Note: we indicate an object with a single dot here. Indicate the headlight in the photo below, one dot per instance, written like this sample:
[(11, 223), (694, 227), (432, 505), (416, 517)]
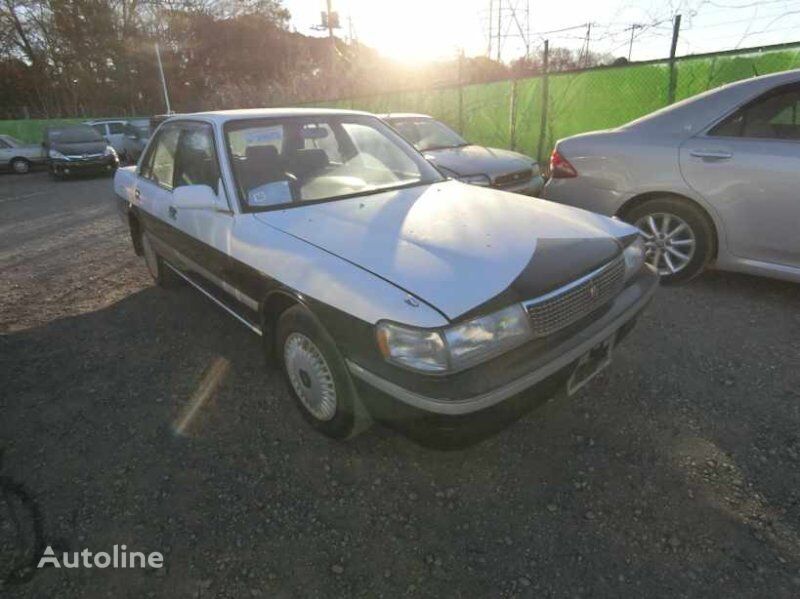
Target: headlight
[(456, 347), (475, 180), (56, 155), (415, 348), (487, 336), (634, 257), (110, 152)]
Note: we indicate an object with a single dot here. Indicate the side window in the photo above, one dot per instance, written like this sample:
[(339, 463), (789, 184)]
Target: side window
[(3, 145), (159, 166), (100, 128), (197, 161), (115, 128), (773, 116)]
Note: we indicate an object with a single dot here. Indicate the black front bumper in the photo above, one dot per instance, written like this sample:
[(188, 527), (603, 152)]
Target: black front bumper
[(485, 398), (74, 167)]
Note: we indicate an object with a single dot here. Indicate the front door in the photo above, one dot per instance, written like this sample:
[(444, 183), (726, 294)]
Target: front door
[(747, 168)]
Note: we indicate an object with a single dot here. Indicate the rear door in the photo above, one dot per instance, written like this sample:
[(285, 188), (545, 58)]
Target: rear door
[(746, 167)]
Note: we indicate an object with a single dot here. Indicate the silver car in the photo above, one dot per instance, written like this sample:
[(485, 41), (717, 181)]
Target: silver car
[(18, 155), (470, 163), (713, 180)]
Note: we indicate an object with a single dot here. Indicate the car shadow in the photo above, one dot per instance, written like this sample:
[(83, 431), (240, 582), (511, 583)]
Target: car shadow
[(154, 422)]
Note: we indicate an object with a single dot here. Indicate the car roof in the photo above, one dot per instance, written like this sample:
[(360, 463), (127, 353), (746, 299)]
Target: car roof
[(404, 115), (225, 116)]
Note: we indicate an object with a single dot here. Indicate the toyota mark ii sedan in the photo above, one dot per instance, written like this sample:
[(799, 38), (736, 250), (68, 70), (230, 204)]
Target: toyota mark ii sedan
[(383, 290)]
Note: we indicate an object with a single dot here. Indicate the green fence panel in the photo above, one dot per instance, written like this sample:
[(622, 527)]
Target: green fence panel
[(486, 113), (696, 75), (603, 99), (528, 115), (32, 130)]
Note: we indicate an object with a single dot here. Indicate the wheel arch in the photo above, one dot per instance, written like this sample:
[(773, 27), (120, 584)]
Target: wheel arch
[(641, 198), (274, 304)]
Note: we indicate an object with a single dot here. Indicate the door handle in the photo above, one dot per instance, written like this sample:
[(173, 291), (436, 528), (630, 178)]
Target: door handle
[(711, 154), (173, 212)]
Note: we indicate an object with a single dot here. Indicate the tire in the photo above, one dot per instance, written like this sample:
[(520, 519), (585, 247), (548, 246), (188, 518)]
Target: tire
[(688, 245), (20, 166), (161, 273), (314, 368)]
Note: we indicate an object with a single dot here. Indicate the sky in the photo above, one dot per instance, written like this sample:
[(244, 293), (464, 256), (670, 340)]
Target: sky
[(416, 31)]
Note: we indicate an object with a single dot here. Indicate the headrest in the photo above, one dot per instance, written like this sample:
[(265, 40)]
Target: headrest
[(262, 155), (311, 159)]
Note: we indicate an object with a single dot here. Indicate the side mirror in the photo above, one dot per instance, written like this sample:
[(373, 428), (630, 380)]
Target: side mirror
[(195, 197)]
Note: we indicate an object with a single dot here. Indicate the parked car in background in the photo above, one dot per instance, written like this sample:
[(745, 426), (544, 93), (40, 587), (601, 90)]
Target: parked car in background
[(467, 162), (113, 131), (137, 134), (713, 180), (19, 156), (77, 149), (381, 287)]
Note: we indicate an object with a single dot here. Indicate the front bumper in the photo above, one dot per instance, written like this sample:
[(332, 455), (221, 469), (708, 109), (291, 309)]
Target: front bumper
[(94, 165), (548, 369), (531, 187)]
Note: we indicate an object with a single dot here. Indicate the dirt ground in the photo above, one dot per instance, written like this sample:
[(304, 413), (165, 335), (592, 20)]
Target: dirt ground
[(676, 473)]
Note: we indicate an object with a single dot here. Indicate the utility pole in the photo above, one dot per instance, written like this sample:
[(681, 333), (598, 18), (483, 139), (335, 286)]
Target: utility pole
[(330, 21), (545, 99), (491, 31), (499, 27), (633, 28), (676, 28), (163, 80), (586, 44)]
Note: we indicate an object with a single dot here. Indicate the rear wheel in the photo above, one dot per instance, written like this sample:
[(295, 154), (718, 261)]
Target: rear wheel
[(317, 375), (20, 166), (678, 236), (161, 273)]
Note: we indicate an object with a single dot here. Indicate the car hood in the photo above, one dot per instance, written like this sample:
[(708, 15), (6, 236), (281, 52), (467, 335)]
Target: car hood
[(459, 248), (85, 147), (479, 160)]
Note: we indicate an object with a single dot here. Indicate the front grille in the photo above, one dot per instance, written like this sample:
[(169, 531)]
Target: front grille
[(566, 305), (513, 178)]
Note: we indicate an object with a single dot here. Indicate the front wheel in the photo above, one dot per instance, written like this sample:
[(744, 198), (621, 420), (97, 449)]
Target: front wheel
[(678, 237), (317, 375)]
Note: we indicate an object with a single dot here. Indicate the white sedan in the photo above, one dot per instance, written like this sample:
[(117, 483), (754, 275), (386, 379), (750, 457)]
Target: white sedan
[(18, 155)]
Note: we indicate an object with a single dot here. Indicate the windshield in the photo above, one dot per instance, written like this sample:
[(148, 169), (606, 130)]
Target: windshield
[(428, 134), (280, 162), (77, 134)]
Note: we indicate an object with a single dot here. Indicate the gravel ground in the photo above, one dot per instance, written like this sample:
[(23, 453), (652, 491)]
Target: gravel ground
[(675, 473)]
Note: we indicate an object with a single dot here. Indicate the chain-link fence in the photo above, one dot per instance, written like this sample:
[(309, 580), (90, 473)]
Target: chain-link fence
[(508, 114)]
